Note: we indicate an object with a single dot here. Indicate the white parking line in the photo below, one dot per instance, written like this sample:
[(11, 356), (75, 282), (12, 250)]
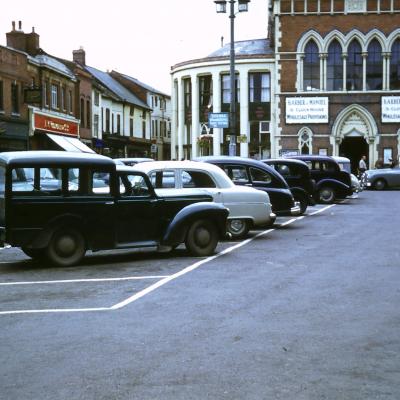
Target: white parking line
[(128, 278), (164, 280)]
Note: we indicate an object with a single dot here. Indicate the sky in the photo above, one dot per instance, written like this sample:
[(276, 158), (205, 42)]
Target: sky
[(140, 38)]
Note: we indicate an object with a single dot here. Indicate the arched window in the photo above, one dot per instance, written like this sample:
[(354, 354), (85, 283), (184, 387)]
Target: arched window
[(395, 66), (305, 141), (334, 76), (374, 66), (311, 71), (354, 79)]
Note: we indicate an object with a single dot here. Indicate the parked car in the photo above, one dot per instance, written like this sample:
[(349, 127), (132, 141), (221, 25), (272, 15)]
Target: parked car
[(383, 178), (60, 223), (345, 165), (256, 174), (248, 208), (131, 161), (298, 177), (331, 182)]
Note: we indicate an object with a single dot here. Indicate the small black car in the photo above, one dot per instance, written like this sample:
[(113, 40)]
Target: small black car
[(256, 174), (298, 177), (93, 204), (331, 182)]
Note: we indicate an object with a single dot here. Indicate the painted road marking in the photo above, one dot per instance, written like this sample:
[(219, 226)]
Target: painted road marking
[(128, 278), (166, 279)]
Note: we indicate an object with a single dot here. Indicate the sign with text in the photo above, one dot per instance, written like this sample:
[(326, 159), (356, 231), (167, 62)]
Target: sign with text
[(55, 125), (218, 120), (390, 109), (307, 110)]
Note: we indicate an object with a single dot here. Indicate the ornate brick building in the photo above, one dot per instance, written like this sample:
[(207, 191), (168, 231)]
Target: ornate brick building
[(338, 77)]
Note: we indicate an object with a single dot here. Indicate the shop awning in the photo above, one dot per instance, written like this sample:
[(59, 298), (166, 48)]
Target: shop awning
[(70, 144)]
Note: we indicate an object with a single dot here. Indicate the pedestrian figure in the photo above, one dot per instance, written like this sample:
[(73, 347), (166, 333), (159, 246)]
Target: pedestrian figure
[(362, 166), (379, 163)]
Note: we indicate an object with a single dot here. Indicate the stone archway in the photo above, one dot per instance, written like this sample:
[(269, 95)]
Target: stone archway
[(355, 122)]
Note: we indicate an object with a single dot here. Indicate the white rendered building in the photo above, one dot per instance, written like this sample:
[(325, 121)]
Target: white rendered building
[(202, 86)]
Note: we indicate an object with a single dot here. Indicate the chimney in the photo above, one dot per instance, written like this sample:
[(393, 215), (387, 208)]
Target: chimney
[(79, 56), (16, 39), (32, 42)]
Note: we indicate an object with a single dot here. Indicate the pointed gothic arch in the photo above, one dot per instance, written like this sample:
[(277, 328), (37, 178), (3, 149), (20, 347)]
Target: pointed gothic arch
[(355, 121)]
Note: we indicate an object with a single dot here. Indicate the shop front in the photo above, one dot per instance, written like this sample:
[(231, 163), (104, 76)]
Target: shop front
[(52, 132)]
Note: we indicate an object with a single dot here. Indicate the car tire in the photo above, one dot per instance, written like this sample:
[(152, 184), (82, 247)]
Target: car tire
[(238, 228), (303, 202), (202, 238), (66, 247), (33, 253), (380, 184), (326, 195)]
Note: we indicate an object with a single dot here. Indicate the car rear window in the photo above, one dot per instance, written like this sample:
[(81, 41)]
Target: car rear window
[(197, 179)]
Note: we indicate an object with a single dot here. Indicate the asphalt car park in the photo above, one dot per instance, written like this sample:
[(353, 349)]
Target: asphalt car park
[(105, 280)]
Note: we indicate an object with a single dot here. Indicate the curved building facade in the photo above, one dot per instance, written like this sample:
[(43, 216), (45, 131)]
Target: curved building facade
[(202, 86)]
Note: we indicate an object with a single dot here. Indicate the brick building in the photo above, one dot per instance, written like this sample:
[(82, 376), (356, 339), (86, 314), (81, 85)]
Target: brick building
[(340, 60), (39, 106)]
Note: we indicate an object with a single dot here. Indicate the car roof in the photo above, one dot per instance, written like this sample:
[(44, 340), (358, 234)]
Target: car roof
[(341, 159), (241, 161), (312, 157), (285, 160), (134, 159), (37, 157), (223, 179)]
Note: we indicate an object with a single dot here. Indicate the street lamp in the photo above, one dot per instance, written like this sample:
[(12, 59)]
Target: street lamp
[(221, 8)]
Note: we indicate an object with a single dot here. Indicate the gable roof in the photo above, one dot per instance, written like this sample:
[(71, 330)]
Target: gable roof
[(114, 86), (143, 85)]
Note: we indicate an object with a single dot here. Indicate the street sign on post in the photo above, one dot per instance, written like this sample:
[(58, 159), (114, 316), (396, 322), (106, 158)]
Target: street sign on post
[(153, 148), (218, 120)]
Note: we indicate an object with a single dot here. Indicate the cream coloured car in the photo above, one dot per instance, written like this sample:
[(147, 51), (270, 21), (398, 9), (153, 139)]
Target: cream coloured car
[(248, 208)]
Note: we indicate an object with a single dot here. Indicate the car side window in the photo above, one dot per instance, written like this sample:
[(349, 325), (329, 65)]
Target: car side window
[(328, 167), (259, 175), (23, 179), (37, 181), (237, 173), (284, 170), (100, 183), (131, 185), (163, 179), (197, 179)]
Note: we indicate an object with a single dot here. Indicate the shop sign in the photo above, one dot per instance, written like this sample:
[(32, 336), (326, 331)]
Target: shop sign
[(390, 109), (307, 110), (218, 120), (56, 125)]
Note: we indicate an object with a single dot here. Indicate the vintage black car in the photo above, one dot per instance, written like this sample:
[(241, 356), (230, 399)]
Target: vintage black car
[(98, 206), (298, 177), (256, 174), (331, 182)]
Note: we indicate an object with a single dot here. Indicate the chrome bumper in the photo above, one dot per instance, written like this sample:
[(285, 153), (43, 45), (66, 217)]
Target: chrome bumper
[(296, 209)]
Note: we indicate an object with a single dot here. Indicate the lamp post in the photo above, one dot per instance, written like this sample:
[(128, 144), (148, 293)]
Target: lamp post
[(221, 8)]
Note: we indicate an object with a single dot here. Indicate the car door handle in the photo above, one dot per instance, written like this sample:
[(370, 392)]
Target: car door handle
[(109, 203)]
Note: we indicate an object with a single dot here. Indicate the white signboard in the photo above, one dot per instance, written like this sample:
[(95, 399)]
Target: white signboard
[(390, 109), (354, 6), (307, 110)]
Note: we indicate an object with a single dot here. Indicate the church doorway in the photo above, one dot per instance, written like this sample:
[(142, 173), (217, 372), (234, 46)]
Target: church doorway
[(354, 148)]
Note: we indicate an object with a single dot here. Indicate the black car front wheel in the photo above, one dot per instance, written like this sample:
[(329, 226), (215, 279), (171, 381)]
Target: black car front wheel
[(66, 247), (202, 238), (326, 195)]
